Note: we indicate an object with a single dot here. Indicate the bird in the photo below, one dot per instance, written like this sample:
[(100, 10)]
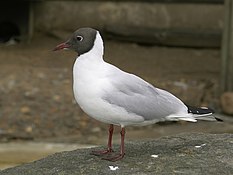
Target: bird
[(118, 98)]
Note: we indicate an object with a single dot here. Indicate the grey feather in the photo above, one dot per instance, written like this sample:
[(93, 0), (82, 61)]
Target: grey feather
[(139, 97)]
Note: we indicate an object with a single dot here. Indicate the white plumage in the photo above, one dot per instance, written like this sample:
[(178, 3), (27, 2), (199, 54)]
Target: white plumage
[(113, 96), (110, 95)]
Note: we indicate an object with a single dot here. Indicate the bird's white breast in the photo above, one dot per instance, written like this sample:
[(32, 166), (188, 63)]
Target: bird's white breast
[(89, 84), (90, 81)]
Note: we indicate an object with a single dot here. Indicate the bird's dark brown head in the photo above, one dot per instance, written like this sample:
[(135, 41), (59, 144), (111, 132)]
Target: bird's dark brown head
[(81, 41)]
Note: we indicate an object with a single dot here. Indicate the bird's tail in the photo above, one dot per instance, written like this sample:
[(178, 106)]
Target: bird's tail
[(202, 113)]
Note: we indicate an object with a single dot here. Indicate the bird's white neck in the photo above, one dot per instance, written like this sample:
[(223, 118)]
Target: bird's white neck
[(96, 53), (90, 63)]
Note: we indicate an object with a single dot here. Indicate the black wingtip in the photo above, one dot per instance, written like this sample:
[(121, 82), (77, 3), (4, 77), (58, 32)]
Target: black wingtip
[(200, 110), (218, 119)]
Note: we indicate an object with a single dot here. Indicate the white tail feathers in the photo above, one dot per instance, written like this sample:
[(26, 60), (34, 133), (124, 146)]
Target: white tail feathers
[(193, 117), (184, 117)]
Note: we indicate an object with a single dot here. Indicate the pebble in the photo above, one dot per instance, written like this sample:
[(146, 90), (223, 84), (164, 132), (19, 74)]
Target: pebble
[(113, 168), (96, 129), (25, 110), (199, 146), (226, 101), (32, 92), (57, 98), (41, 75), (28, 129), (2, 131), (155, 156), (11, 84)]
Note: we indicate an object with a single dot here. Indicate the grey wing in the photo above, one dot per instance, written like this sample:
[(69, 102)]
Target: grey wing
[(139, 97)]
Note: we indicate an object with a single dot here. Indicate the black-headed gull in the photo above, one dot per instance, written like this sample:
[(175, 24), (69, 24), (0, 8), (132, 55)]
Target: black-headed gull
[(113, 96)]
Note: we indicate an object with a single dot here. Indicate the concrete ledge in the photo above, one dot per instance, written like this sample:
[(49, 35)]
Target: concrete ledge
[(70, 15), (179, 154)]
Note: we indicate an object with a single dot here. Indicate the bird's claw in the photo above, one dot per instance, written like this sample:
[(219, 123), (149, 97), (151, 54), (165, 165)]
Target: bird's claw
[(102, 152), (114, 158)]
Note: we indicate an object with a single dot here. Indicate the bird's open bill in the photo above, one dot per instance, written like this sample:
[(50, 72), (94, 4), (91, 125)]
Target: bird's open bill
[(61, 46)]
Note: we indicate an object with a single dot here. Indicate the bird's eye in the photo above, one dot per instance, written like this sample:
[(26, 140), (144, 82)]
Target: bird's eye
[(79, 38)]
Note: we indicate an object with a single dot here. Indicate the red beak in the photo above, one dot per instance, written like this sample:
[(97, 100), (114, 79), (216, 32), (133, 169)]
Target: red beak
[(61, 46)]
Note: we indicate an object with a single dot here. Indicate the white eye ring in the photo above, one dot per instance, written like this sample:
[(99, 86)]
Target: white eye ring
[(79, 38)]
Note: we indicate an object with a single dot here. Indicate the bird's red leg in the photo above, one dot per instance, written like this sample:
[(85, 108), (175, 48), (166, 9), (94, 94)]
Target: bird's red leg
[(122, 149), (109, 149)]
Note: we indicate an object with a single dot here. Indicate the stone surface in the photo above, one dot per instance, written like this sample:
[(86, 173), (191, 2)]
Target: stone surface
[(227, 102), (180, 154)]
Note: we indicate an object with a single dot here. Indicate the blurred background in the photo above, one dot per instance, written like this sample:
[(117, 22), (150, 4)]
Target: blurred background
[(173, 44)]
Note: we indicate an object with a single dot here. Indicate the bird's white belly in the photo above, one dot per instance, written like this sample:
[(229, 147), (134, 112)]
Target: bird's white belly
[(88, 96), (90, 82)]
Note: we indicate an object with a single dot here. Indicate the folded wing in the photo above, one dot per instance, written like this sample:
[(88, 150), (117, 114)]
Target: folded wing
[(139, 97)]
